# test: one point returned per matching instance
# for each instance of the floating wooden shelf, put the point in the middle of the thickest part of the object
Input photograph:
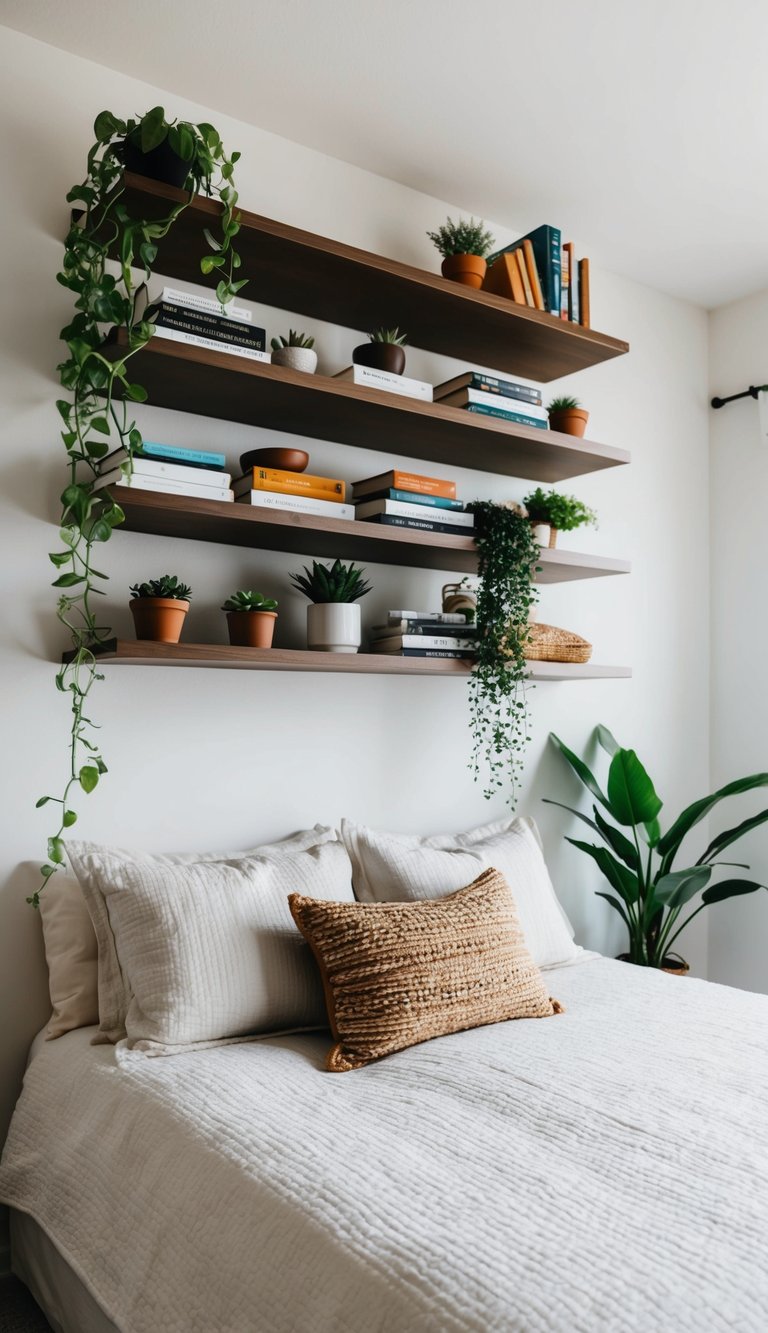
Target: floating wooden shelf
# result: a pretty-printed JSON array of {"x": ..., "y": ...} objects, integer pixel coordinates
[
  {"x": 304, "y": 534},
  {"x": 216, "y": 384},
  {"x": 132, "y": 652},
  {"x": 297, "y": 271}
]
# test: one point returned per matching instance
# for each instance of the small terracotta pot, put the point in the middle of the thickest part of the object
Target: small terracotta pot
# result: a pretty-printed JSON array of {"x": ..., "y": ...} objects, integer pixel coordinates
[
  {"x": 160, "y": 619},
  {"x": 677, "y": 967},
  {"x": 467, "y": 269},
  {"x": 381, "y": 356},
  {"x": 573, "y": 421},
  {"x": 251, "y": 629}
]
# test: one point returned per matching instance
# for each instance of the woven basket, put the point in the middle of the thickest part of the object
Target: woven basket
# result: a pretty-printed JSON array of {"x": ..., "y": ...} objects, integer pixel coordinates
[{"x": 547, "y": 643}]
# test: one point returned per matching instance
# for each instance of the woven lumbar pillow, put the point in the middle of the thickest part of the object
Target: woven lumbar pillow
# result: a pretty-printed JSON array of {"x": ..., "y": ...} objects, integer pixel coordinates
[{"x": 396, "y": 974}]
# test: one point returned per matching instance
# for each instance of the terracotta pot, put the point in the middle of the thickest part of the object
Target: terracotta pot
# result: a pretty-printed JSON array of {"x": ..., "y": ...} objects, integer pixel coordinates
[
  {"x": 381, "y": 356},
  {"x": 160, "y": 164},
  {"x": 573, "y": 421},
  {"x": 677, "y": 967},
  {"x": 251, "y": 629},
  {"x": 296, "y": 358},
  {"x": 467, "y": 269},
  {"x": 160, "y": 619}
]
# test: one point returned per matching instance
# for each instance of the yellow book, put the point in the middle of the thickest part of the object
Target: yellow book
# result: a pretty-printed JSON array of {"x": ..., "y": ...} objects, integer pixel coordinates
[{"x": 292, "y": 483}]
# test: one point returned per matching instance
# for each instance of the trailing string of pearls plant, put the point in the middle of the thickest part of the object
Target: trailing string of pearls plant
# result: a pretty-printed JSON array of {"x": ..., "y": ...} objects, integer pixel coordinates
[{"x": 96, "y": 411}]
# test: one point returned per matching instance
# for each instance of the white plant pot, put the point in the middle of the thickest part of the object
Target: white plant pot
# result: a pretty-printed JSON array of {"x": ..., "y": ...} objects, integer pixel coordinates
[
  {"x": 333, "y": 627},
  {"x": 296, "y": 358},
  {"x": 542, "y": 533}
]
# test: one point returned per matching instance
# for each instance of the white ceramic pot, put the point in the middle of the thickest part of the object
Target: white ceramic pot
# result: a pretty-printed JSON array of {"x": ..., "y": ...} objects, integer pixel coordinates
[
  {"x": 542, "y": 533},
  {"x": 333, "y": 627},
  {"x": 296, "y": 358}
]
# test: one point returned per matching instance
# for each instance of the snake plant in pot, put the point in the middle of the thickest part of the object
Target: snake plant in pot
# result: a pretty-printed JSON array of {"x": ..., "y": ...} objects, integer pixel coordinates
[
  {"x": 649, "y": 894},
  {"x": 333, "y": 618}
]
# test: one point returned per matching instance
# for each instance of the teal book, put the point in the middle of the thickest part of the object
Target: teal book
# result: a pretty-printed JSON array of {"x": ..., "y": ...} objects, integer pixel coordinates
[
  {"x": 176, "y": 453},
  {"x": 519, "y": 418},
  {"x": 546, "y": 242},
  {"x": 415, "y": 498}
]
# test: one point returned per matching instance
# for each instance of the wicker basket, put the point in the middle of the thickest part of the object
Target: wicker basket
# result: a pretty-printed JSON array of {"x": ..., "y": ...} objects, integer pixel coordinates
[{"x": 547, "y": 643}]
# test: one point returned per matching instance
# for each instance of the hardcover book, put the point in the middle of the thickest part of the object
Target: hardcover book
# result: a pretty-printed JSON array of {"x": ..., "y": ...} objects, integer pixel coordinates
[
  {"x": 437, "y": 617},
  {"x": 196, "y": 301},
  {"x": 158, "y": 467},
  {"x": 546, "y": 243},
  {"x": 197, "y": 458},
  {"x": 404, "y": 481},
  {"x": 296, "y": 504},
  {"x": 477, "y": 379},
  {"x": 164, "y": 486},
  {"x": 519, "y": 418},
  {"x": 367, "y": 509},
  {"x": 396, "y": 642},
  {"x": 462, "y": 654},
  {"x": 418, "y": 524},
  {"x": 210, "y": 344},
  {"x": 382, "y": 379},
  {"x": 207, "y": 326},
  {"x": 292, "y": 483},
  {"x": 463, "y": 397}
]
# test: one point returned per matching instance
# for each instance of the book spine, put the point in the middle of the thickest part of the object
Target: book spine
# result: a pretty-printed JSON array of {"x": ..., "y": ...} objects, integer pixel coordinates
[
  {"x": 458, "y": 653},
  {"x": 193, "y": 301},
  {"x": 418, "y": 628},
  {"x": 505, "y": 388},
  {"x": 417, "y": 524},
  {"x": 210, "y": 344},
  {"x": 177, "y": 453},
  {"x": 368, "y": 509},
  {"x": 165, "y": 487},
  {"x": 412, "y": 497},
  {"x": 520, "y": 257},
  {"x": 288, "y": 489},
  {"x": 297, "y": 504},
  {"x": 484, "y": 399},
  {"x": 155, "y": 467},
  {"x": 410, "y": 481},
  {"x": 553, "y": 242},
  {"x": 207, "y": 326},
  {"x": 454, "y": 643},
  {"x": 565, "y": 281},
  {"x": 533, "y": 274},
  {"x": 519, "y": 418},
  {"x": 294, "y": 483},
  {"x": 425, "y": 617},
  {"x": 584, "y": 304},
  {"x": 376, "y": 379}
]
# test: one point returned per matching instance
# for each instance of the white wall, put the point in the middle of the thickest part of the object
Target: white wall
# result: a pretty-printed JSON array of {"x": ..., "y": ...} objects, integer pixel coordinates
[
  {"x": 738, "y": 931},
  {"x": 209, "y": 758}
]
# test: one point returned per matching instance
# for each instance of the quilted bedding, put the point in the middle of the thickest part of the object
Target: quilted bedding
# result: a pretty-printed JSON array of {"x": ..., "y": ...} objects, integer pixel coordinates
[{"x": 603, "y": 1170}]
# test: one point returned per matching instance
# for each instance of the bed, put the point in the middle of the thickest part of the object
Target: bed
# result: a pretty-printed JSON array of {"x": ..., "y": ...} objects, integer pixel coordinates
[{"x": 603, "y": 1170}]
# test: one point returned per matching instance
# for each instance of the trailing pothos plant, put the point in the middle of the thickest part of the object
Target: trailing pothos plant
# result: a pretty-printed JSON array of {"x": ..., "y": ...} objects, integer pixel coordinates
[
  {"x": 104, "y": 245},
  {"x": 507, "y": 555}
]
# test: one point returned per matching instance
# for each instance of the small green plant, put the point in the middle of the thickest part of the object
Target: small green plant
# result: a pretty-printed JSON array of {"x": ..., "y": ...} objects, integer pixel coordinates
[
  {"x": 332, "y": 583},
  {"x": 648, "y": 894},
  {"x": 294, "y": 339},
  {"x": 249, "y": 601},
  {"x": 565, "y": 403},
  {"x": 197, "y": 145},
  {"x": 166, "y": 586},
  {"x": 462, "y": 238},
  {"x": 393, "y": 336},
  {"x": 563, "y": 512}
]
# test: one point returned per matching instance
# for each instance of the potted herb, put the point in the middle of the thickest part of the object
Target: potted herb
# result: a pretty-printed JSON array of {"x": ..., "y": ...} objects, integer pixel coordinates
[
  {"x": 567, "y": 415},
  {"x": 250, "y": 619},
  {"x": 333, "y": 619},
  {"x": 295, "y": 352},
  {"x": 159, "y": 608},
  {"x": 550, "y": 513},
  {"x": 176, "y": 152},
  {"x": 464, "y": 246},
  {"x": 507, "y": 554},
  {"x": 383, "y": 351},
  {"x": 646, "y": 891}
]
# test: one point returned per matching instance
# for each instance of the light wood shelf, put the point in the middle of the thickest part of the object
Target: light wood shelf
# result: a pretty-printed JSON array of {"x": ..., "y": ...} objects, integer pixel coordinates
[
  {"x": 298, "y": 271},
  {"x": 305, "y": 534},
  {"x": 134, "y": 652}
]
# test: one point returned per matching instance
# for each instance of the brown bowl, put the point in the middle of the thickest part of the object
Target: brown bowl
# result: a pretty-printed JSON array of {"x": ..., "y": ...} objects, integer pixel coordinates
[{"x": 287, "y": 460}]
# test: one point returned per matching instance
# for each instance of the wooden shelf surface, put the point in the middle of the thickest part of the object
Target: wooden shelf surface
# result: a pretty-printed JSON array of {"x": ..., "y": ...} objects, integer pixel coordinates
[
  {"x": 307, "y": 535},
  {"x": 134, "y": 652},
  {"x": 298, "y": 271},
  {"x": 216, "y": 384}
]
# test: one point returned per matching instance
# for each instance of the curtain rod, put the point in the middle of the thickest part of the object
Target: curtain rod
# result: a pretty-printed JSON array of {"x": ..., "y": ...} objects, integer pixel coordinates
[{"x": 751, "y": 392}]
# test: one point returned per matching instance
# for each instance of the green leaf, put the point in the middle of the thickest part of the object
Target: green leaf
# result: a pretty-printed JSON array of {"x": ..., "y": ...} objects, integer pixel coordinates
[
  {"x": 100, "y": 424},
  {"x": 631, "y": 796},
  {"x": 729, "y": 888},
  {"x": 68, "y": 580},
  {"x": 147, "y": 254},
  {"x": 607, "y": 740},
  {"x": 47, "y": 871},
  {"x": 211, "y": 239},
  {"x": 669, "y": 844},
  {"x": 56, "y": 851},
  {"x": 619, "y": 877},
  {"x": 69, "y": 535},
  {"x": 105, "y": 125},
  {"x": 206, "y": 263},
  {"x": 101, "y": 531},
  {"x": 43, "y": 801},
  {"x": 650, "y": 832},
  {"x": 578, "y": 813},
  {"x": 725, "y": 839},
  {"x": 102, "y": 767},
  {"x": 69, "y": 818},
  {"x": 89, "y": 777},
  {"x": 678, "y": 887},
  {"x": 153, "y": 129},
  {"x": 580, "y": 769},
  {"x": 59, "y": 558},
  {"x": 624, "y": 849},
  {"x": 136, "y": 392},
  {"x": 617, "y": 905},
  {"x": 97, "y": 448}
]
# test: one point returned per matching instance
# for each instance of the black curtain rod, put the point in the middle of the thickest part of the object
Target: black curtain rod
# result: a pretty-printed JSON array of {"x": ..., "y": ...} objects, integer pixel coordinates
[{"x": 751, "y": 392}]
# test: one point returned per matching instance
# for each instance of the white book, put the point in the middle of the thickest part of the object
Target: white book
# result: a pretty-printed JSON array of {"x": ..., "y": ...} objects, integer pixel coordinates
[
  {"x": 297, "y": 504},
  {"x": 193, "y": 301},
  {"x": 371, "y": 378},
  {"x": 196, "y": 340},
  {"x": 398, "y": 641},
  {"x": 165, "y": 487},
  {"x": 446, "y": 617},
  {"x": 450, "y": 517},
  {"x": 199, "y": 476},
  {"x": 483, "y": 399}
]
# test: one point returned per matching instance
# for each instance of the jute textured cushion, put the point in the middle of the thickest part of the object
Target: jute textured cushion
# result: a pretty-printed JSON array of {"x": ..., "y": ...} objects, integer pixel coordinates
[
  {"x": 70, "y": 952},
  {"x": 399, "y": 973}
]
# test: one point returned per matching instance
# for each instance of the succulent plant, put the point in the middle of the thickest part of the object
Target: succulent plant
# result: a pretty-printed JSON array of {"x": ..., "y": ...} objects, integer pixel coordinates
[
  {"x": 462, "y": 238},
  {"x": 565, "y": 403},
  {"x": 393, "y": 336},
  {"x": 294, "y": 339},
  {"x": 166, "y": 586},
  {"x": 249, "y": 601},
  {"x": 332, "y": 583}
]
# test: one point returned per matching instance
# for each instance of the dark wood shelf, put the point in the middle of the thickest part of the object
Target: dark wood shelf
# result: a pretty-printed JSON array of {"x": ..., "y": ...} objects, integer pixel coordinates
[
  {"x": 216, "y": 384},
  {"x": 297, "y": 271},
  {"x": 131, "y": 652},
  {"x": 304, "y": 534}
]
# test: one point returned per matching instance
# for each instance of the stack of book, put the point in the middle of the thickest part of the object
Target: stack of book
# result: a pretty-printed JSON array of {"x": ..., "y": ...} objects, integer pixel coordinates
[
  {"x": 407, "y": 500},
  {"x": 541, "y": 271},
  {"x": 170, "y": 469},
  {"x": 200, "y": 321},
  {"x": 494, "y": 396},
  {"x": 424, "y": 634},
  {"x": 370, "y": 378},
  {"x": 297, "y": 492}
]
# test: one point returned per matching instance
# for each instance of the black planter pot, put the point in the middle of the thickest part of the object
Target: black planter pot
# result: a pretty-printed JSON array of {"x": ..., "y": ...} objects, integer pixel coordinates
[
  {"x": 160, "y": 164},
  {"x": 381, "y": 356}
]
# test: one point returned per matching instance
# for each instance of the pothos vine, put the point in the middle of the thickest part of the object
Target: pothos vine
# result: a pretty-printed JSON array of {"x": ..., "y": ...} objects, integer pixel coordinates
[{"x": 104, "y": 245}]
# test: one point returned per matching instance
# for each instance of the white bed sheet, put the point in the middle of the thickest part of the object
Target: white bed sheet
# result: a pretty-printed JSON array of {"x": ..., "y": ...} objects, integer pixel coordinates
[{"x": 603, "y": 1170}]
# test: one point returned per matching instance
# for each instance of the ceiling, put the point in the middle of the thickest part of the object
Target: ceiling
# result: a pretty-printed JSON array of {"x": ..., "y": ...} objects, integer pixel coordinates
[{"x": 639, "y": 128}]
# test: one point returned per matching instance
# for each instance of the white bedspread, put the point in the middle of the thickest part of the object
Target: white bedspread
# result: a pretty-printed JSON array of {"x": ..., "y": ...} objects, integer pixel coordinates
[{"x": 600, "y": 1171}]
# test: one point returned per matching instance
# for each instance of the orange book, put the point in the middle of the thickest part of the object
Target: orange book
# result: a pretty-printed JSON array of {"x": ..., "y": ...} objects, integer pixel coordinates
[
  {"x": 533, "y": 274},
  {"x": 292, "y": 483},
  {"x": 520, "y": 257},
  {"x": 573, "y": 278},
  {"x": 584, "y": 310},
  {"x": 404, "y": 481},
  {"x": 503, "y": 279}
]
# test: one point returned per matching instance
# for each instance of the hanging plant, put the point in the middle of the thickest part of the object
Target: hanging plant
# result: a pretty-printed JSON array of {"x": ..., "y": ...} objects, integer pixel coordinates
[
  {"x": 507, "y": 555},
  {"x": 96, "y": 411}
]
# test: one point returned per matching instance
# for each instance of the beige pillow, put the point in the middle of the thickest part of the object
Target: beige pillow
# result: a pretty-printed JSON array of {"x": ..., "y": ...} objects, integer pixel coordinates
[
  {"x": 399, "y": 973},
  {"x": 70, "y": 952}
]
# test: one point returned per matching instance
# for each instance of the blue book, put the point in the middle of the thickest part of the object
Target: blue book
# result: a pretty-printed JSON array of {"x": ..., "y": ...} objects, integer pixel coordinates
[
  {"x": 416, "y": 498},
  {"x": 519, "y": 418},
  {"x": 176, "y": 453},
  {"x": 546, "y": 242}
]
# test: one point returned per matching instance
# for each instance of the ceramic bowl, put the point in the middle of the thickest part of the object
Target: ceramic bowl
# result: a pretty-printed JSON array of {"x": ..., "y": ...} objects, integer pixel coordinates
[{"x": 287, "y": 460}]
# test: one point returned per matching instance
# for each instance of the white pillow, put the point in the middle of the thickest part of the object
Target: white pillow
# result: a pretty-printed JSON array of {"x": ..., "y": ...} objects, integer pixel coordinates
[
  {"x": 194, "y": 949},
  {"x": 71, "y": 955},
  {"x": 395, "y": 867}
]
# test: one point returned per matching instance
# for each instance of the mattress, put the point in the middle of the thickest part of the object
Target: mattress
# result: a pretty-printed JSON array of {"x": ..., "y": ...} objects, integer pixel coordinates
[{"x": 606, "y": 1169}]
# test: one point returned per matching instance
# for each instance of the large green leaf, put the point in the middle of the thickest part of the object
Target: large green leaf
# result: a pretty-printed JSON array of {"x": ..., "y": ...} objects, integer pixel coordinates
[
  {"x": 617, "y": 905},
  {"x": 607, "y": 740},
  {"x": 669, "y": 844},
  {"x": 631, "y": 795},
  {"x": 585, "y": 819},
  {"x": 624, "y": 849},
  {"x": 731, "y": 835},
  {"x": 729, "y": 888},
  {"x": 619, "y": 877},
  {"x": 153, "y": 129},
  {"x": 581, "y": 770},
  {"x": 677, "y": 888}
]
